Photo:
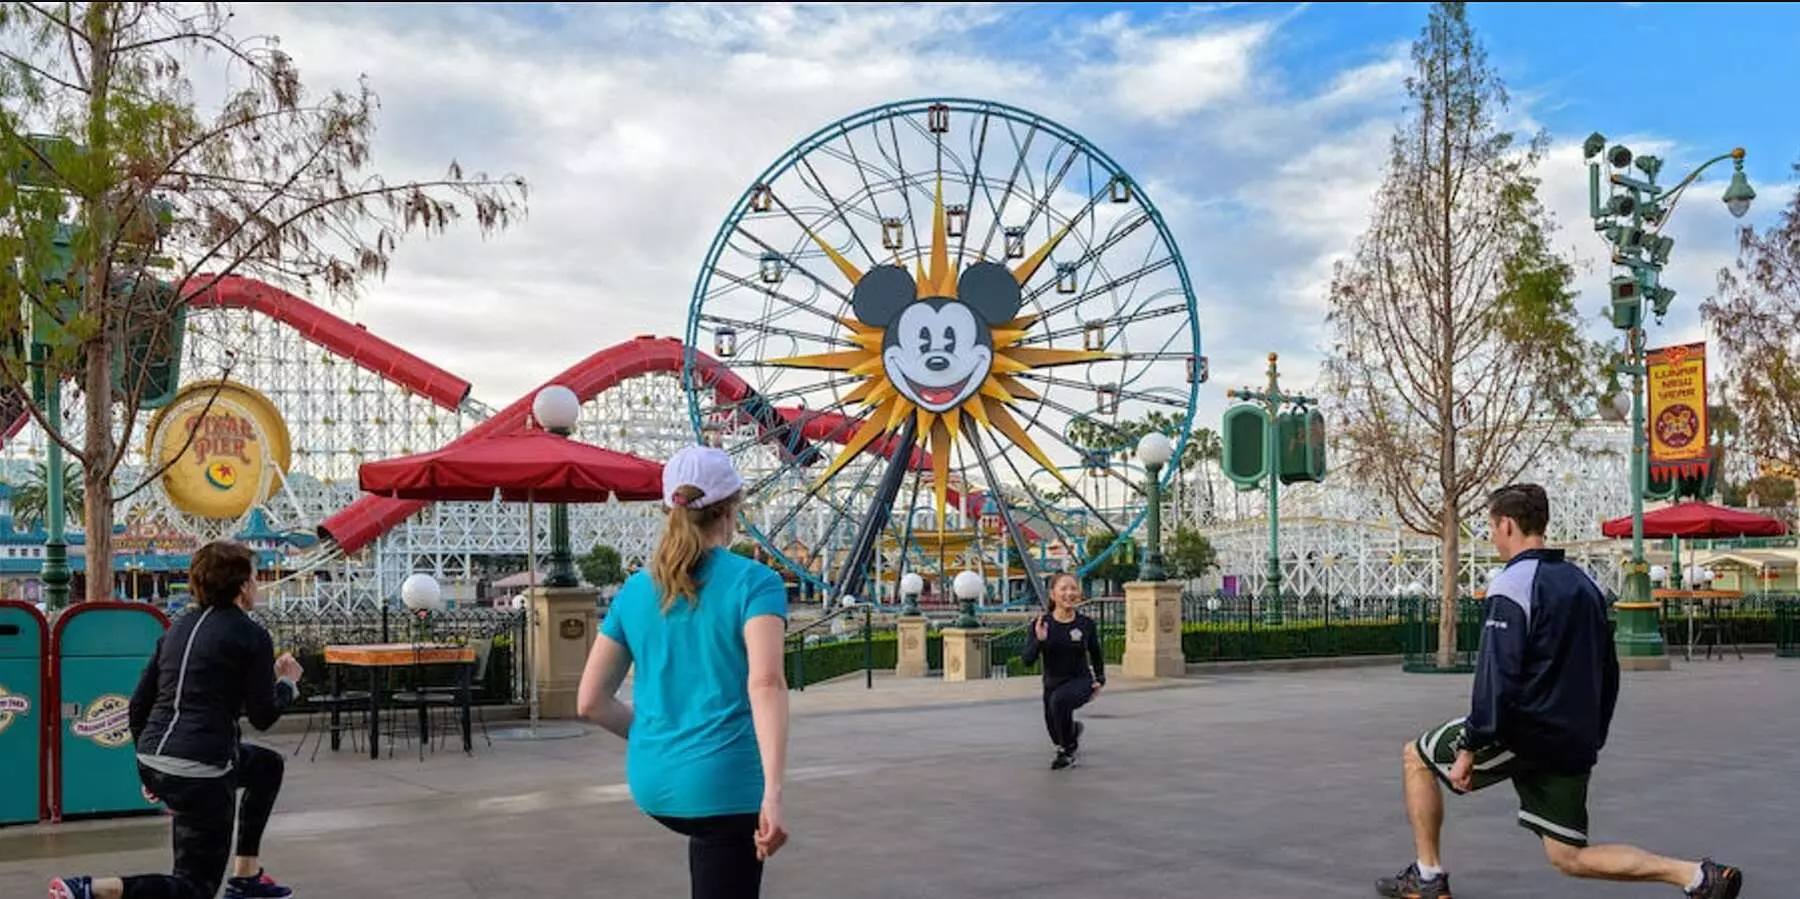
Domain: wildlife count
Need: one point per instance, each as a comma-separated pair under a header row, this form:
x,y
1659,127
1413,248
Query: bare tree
x,y
127,201
1458,355
1755,319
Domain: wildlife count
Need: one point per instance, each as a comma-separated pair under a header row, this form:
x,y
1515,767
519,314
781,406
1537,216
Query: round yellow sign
x,y
233,447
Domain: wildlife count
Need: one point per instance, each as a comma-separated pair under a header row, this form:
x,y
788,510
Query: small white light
x,y
1416,588
911,584
421,591
969,585
848,602
1658,574
556,408
1212,605
1155,449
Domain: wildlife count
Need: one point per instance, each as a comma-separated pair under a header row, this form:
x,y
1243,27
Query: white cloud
x,y
1161,78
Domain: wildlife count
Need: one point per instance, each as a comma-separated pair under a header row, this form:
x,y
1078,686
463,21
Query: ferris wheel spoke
x,y
1048,513
1113,323
962,237
1121,392
825,192
1006,192
764,328
771,293
1106,288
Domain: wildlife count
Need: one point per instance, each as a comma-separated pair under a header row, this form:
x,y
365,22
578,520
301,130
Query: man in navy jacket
x,y
1546,683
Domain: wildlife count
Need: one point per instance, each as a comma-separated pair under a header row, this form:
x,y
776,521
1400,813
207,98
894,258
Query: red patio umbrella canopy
x,y
530,464
1698,520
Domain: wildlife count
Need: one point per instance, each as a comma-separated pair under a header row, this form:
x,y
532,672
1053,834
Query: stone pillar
x,y
965,653
912,662
1153,630
566,620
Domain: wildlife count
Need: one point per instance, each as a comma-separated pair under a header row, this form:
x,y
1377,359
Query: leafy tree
x,y
1754,318
128,200
602,566
1458,353
1190,555
1120,567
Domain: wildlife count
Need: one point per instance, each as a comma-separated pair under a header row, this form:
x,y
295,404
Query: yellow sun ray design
x,y
984,405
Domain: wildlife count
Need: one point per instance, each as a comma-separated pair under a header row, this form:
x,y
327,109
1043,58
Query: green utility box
x,y
24,753
99,651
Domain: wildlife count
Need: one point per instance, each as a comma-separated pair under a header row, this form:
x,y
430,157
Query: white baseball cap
x,y
706,468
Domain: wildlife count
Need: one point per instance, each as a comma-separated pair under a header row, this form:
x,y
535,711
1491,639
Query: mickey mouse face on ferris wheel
x,y
936,351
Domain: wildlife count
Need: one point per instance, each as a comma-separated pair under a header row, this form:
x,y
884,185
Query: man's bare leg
x,y
1424,806
1617,861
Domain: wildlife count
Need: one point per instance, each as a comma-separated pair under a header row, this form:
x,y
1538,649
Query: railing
x,y
1787,627
833,654
306,633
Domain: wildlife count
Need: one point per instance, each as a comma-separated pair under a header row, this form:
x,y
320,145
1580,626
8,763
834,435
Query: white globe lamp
x,y
968,587
911,585
420,592
1155,450
556,409
1658,574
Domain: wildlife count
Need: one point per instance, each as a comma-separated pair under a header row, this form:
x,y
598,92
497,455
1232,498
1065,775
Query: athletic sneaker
x,y
72,888
1409,885
262,886
1717,881
1063,760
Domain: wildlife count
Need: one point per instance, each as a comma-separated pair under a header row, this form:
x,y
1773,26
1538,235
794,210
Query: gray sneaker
x,y
1409,885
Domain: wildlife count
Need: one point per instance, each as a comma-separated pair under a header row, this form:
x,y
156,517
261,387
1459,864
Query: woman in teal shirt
x,y
706,731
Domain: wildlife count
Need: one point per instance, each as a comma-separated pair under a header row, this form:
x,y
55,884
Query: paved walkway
x,y
1271,784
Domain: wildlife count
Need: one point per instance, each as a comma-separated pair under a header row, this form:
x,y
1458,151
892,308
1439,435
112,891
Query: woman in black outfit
x,y
1074,668
214,664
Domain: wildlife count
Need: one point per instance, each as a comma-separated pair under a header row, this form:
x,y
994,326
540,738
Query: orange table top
x,y
1699,595
387,655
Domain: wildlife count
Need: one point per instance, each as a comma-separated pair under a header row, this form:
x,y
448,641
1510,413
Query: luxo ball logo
x,y
106,721
12,706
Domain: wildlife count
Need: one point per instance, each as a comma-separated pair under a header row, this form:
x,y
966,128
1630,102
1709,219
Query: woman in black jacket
x,y
1074,667
213,665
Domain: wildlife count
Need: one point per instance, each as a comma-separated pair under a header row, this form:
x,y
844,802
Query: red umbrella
x,y
525,465
1698,520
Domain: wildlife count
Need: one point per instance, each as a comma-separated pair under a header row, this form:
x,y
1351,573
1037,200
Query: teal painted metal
x,y
100,650
24,755
921,107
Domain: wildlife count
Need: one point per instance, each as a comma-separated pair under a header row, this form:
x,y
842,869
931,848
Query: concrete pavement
x,y
1272,784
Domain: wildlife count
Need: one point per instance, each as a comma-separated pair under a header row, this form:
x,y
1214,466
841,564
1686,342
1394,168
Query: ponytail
x,y
687,534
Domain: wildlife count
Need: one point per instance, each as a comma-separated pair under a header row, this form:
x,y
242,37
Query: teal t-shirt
x,y
692,751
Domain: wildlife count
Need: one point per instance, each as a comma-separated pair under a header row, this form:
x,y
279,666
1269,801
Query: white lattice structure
x,y
1341,537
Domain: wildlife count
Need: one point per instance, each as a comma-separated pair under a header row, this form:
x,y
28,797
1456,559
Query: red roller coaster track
x,y
360,523
346,340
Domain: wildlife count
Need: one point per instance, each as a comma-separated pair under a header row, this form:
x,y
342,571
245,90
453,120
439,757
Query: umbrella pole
x,y
531,619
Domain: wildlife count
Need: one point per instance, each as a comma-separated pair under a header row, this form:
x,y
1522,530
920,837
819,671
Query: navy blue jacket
x,y
213,665
1547,678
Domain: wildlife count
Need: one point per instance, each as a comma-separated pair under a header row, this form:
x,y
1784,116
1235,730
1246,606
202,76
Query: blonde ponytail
x,y
686,537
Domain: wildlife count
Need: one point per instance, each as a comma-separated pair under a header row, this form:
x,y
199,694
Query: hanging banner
x,y
1677,397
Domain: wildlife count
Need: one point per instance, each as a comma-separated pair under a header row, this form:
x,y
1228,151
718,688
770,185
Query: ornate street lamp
x,y
1154,451
969,587
556,410
911,585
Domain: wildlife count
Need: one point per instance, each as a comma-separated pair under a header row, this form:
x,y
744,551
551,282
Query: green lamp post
x,y
968,586
1631,214
556,409
1155,451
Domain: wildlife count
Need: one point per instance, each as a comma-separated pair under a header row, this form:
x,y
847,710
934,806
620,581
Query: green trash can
x,y
24,753
99,650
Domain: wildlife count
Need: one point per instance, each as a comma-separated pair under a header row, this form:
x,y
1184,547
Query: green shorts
x,y
1550,805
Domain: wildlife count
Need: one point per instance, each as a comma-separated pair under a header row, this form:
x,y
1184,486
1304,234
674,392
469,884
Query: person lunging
x,y
214,664
1074,667
1546,684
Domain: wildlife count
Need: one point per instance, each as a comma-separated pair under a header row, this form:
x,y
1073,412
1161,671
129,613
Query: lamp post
x,y
1154,450
911,585
421,595
556,409
1631,216
1272,400
968,586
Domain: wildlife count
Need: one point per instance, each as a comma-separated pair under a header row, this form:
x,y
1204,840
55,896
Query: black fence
x,y
306,632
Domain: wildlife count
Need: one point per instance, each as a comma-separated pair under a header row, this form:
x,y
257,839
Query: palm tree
x,y
31,500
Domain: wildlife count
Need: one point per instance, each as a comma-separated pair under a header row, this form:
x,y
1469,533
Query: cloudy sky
x,y
1260,129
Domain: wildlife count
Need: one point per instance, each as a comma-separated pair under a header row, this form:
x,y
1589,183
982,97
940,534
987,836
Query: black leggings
x,y
722,862
1061,699
204,810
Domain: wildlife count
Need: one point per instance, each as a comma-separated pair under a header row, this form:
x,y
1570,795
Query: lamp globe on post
x,y
1738,193
968,586
911,585
1155,451
422,596
556,409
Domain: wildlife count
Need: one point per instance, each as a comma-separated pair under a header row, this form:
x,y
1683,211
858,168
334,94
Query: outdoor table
x,y
378,658
1692,599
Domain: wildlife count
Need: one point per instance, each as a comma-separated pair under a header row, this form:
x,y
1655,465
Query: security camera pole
x,y
1632,217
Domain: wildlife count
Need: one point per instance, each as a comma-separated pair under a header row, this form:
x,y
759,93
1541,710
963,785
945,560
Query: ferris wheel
x,y
912,331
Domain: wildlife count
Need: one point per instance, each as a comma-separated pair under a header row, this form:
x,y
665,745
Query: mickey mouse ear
x,y
991,290
881,294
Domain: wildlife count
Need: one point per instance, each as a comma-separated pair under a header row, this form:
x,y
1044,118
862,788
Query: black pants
x,y
722,862
204,810
1061,699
